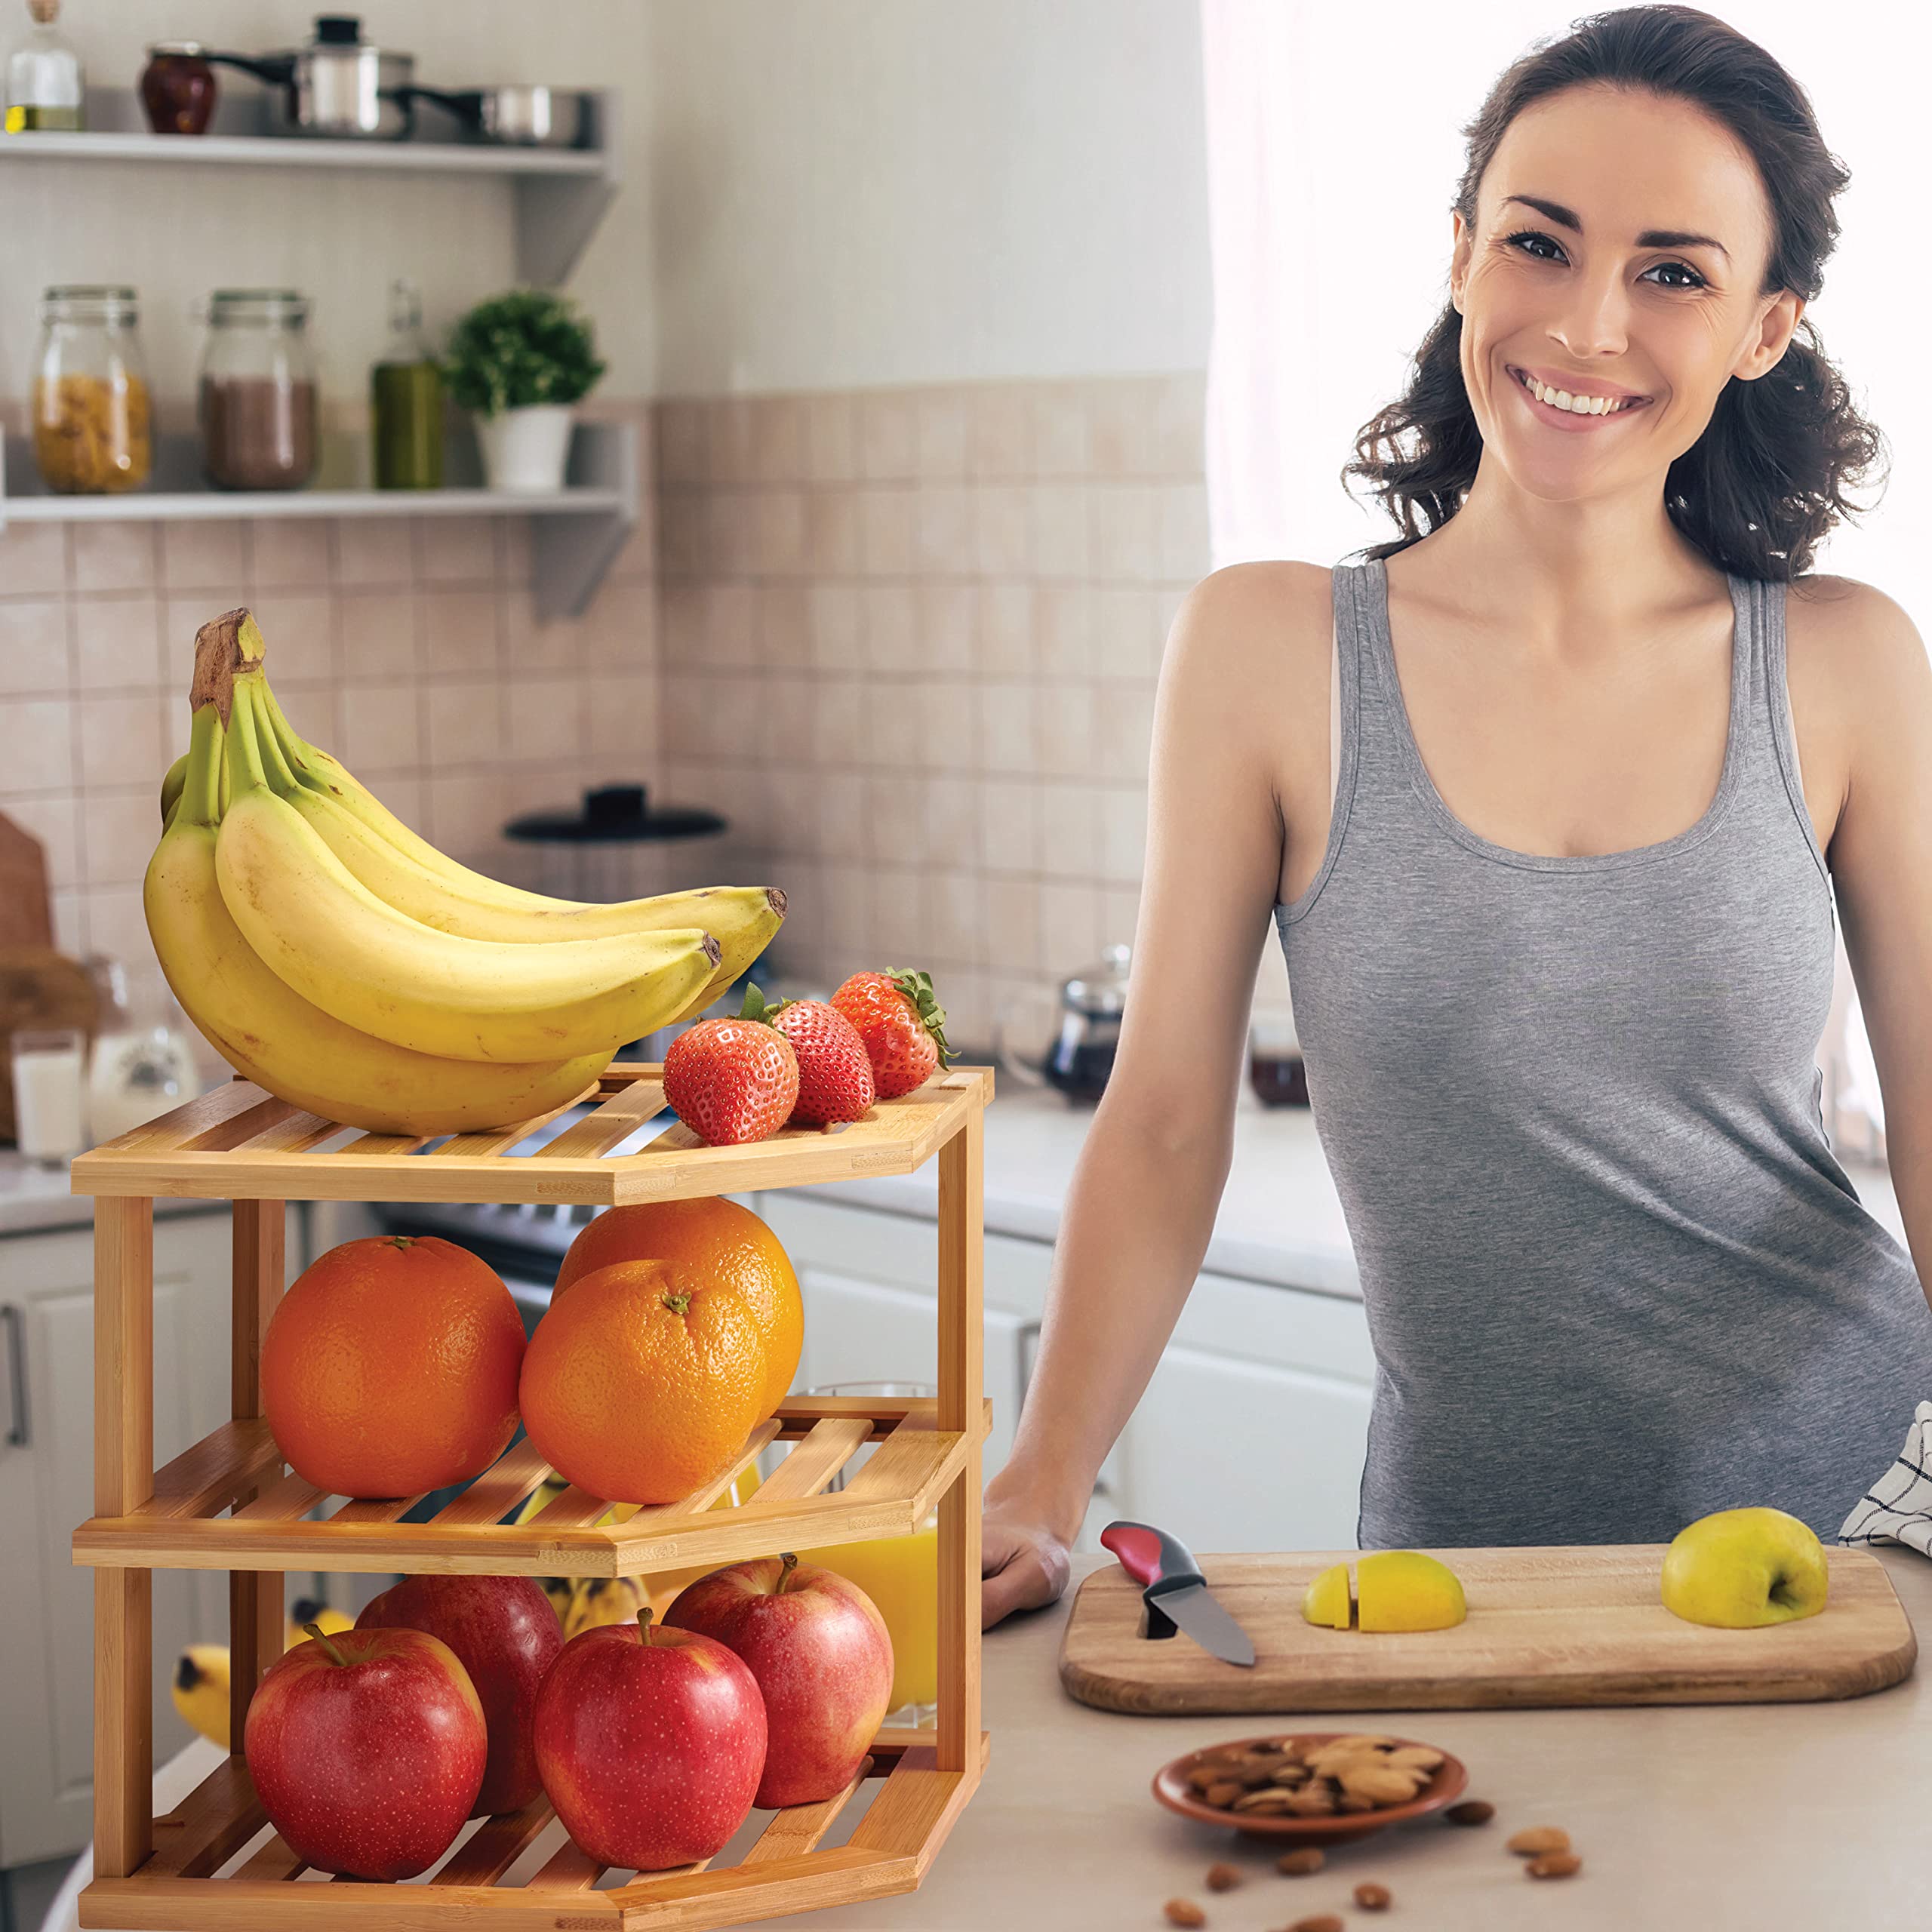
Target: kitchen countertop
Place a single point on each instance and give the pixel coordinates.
(1279, 1221)
(1727, 1817)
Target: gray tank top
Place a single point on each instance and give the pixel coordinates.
(1614, 1277)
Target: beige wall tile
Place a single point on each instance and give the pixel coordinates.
(1002, 530)
(784, 625)
(945, 616)
(844, 827)
(1062, 430)
(729, 437)
(886, 531)
(832, 536)
(1069, 830)
(1126, 633)
(839, 722)
(637, 559)
(943, 433)
(731, 625)
(459, 633)
(956, 910)
(115, 556)
(1006, 630)
(778, 439)
(1124, 729)
(1009, 809)
(290, 553)
(895, 733)
(1120, 913)
(682, 531)
(34, 655)
(902, 922)
(456, 550)
(620, 628)
(381, 728)
(299, 629)
(889, 616)
(1065, 730)
(1181, 523)
(1122, 533)
(547, 719)
(376, 635)
(778, 541)
(778, 722)
(847, 900)
(210, 555)
(1000, 433)
(791, 791)
(465, 722)
(679, 441)
(831, 438)
(120, 829)
(622, 719)
(118, 736)
(1123, 832)
(1060, 542)
(1007, 742)
(1069, 925)
(117, 926)
(467, 811)
(888, 435)
(949, 714)
(949, 819)
(1012, 926)
(1062, 620)
(945, 542)
(55, 821)
(33, 559)
(836, 614)
(371, 550)
(117, 643)
(1123, 415)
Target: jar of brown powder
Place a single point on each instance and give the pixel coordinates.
(257, 403)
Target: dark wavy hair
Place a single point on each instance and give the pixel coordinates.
(1767, 479)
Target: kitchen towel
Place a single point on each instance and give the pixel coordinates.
(1898, 1507)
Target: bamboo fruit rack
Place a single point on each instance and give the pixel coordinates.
(229, 1503)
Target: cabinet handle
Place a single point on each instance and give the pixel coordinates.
(16, 1360)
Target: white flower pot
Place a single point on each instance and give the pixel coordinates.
(525, 450)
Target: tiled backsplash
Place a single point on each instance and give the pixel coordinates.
(905, 640)
(910, 644)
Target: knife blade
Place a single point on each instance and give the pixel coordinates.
(1174, 1590)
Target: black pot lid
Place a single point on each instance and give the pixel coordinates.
(616, 815)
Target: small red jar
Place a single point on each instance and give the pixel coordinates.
(177, 88)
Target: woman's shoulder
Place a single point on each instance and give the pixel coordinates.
(1267, 617)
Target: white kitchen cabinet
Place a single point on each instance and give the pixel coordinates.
(1250, 1435)
(46, 1490)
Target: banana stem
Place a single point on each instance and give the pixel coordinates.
(251, 691)
(201, 791)
(244, 752)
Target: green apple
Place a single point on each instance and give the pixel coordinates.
(1739, 1568)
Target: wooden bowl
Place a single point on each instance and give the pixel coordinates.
(1171, 1788)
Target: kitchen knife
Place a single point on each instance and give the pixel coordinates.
(1175, 1591)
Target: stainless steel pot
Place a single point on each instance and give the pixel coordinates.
(515, 116)
(338, 85)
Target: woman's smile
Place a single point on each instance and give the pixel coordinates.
(1566, 419)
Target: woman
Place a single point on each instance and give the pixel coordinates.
(1551, 841)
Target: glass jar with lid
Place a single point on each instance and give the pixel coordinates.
(257, 401)
(91, 431)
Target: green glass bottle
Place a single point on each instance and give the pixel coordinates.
(406, 400)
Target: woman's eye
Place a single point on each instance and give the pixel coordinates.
(1529, 234)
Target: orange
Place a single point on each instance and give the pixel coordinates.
(643, 1382)
(715, 1240)
(390, 1367)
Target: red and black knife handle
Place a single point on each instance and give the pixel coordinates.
(1157, 1561)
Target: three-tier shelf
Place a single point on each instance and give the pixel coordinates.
(229, 1503)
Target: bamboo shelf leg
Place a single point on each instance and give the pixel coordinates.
(123, 1481)
(255, 1608)
(961, 1379)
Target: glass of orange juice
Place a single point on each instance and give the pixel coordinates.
(901, 1575)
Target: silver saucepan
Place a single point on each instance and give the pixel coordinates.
(517, 114)
(338, 85)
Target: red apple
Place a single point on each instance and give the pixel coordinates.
(367, 1749)
(823, 1658)
(505, 1634)
(649, 1743)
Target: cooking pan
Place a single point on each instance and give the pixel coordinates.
(518, 115)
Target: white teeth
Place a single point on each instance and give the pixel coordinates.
(1577, 405)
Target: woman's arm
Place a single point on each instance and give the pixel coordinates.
(1880, 857)
(1141, 1204)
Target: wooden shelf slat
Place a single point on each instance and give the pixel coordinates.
(798, 1828)
(507, 1484)
(567, 1870)
(806, 1469)
(495, 1845)
(290, 1496)
(274, 1860)
(238, 1143)
(209, 1476)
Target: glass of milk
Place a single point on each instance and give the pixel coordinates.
(49, 1111)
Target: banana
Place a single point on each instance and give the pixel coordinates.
(324, 1617)
(412, 876)
(200, 1691)
(274, 1038)
(597, 1601)
(377, 970)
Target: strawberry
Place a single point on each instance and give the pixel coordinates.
(901, 1024)
(834, 1070)
(731, 1080)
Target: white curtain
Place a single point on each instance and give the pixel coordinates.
(1333, 149)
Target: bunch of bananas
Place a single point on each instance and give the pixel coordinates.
(343, 963)
(201, 1672)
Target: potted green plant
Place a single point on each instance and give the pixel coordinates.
(518, 362)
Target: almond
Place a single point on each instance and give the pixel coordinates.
(1322, 1921)
(1471, 1811)
(1536, 1839)
(1222, 1878)
(1554, 1865)
(1270, 1800)
(1303, 1860)
(1381, 1784)
(1224, 1794)
(1315, 1800)
(1184, 1912)
(1372, 1897)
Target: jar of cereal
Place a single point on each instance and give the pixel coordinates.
(91, 434)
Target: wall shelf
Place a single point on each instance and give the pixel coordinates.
(575, 536)
(560, 194)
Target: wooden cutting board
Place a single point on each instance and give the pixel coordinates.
(1575, 1625)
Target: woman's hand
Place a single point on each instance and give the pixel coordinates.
(1022, 1560)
